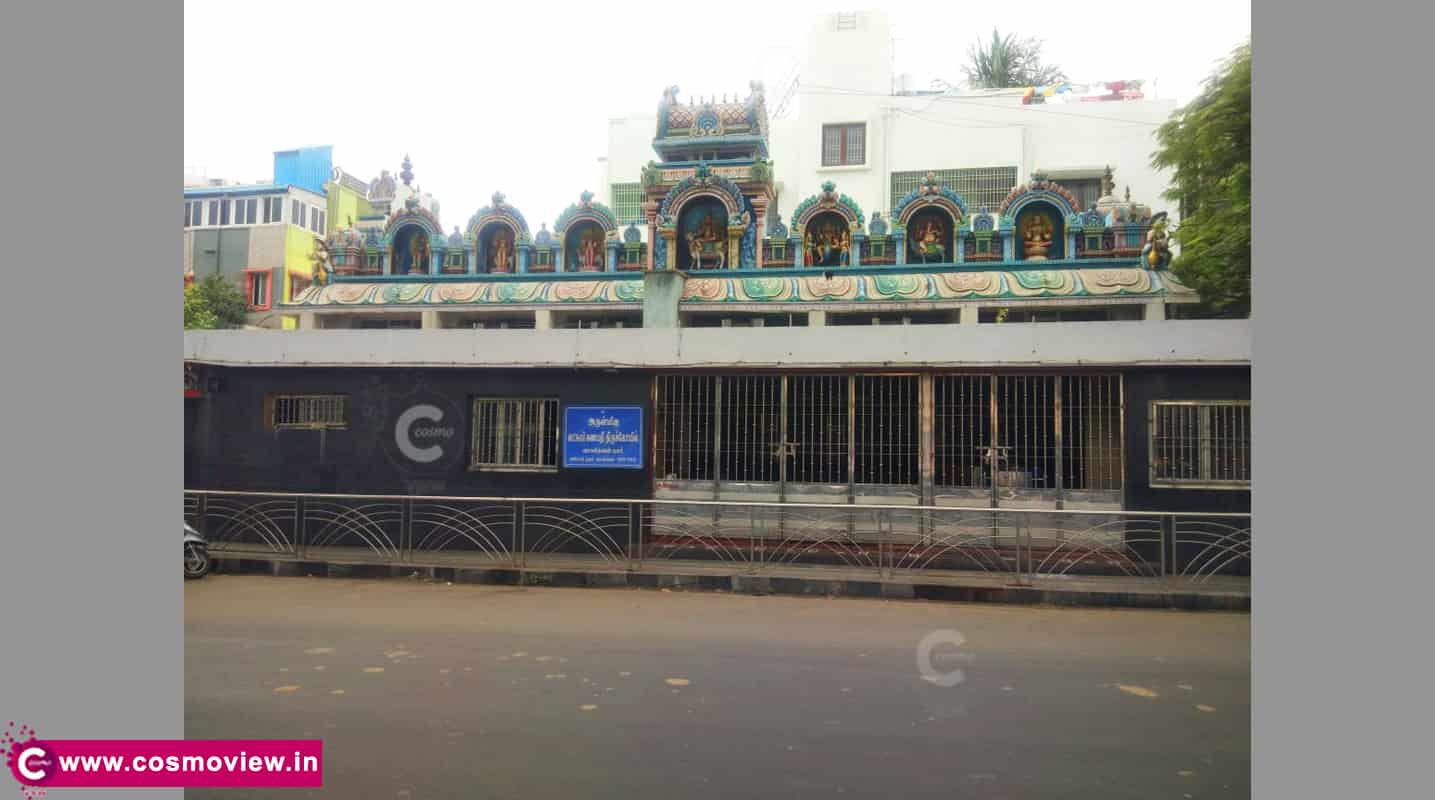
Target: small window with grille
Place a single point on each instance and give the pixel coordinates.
(308, 411)
(844, 145)
(627, 202)
(979, 187)
(515, 434)
(1205, 444)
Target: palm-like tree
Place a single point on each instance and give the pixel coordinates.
(1009, 63)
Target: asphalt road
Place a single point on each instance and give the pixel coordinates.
(536, 693)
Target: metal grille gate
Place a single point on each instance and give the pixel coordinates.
(1004, 440)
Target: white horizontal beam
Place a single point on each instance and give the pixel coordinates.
(1172, 342)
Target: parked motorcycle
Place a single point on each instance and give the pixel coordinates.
(196, 554)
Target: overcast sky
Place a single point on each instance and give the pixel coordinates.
(516, 96)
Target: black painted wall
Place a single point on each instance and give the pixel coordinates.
(228, 446)
(1187, 383)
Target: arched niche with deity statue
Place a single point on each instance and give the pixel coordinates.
(827, 240)
(705, 222)
(702, 235)
(500, 237)
(1039, 211)
(827, 223)
(588, 231)
(410, 237)
(930, 216)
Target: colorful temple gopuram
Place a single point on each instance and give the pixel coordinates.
(713, 245)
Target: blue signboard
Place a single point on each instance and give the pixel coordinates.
(603, 437)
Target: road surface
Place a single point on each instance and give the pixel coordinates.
(428, 690)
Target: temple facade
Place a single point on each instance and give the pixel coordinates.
(1027, 350)
(713, 251)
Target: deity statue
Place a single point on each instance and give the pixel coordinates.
(829, 247)
(1036, 237)
(419, 253)
(705, 241)
(1157, 252)
(928, 242)
(322, 267)
(590, 255)
(502, 260)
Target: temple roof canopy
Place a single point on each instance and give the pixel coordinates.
(727, 127)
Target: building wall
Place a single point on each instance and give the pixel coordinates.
(298, 245)
(1141, 386)
(228, 446)
(911, 133)
(345, 205)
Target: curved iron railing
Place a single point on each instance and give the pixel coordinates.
(1017, 546)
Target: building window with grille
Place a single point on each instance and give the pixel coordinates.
(273, 208)
(979, 186)
(308, 411)
(844, 145)
(515, 434)
(296, 213)
(1086, 191)
(1201, 444)
(627, 202)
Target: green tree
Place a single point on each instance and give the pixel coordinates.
(1009, 63)
(1207, 144)
(196, 314)
(214, 302)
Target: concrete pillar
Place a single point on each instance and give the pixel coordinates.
(1154, 311)
(817, 319)
(472, 251)
(661, 293)
(799, 254)
(543, 319)
(970, 315)
(670, 246)
(899, 241)
(611, 265)
(523, 255)
(309, 321)
(855, 259)
(429, 320)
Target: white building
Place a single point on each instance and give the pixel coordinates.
(850, 123)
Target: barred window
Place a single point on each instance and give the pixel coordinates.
(844, 145)
(980, 186)
(517, 434)
(308, 411)
(627, 202)
(1204, 444)
(1086, 191)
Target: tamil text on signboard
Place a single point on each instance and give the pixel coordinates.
(603, 437)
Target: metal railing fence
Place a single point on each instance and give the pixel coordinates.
(885, 542)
